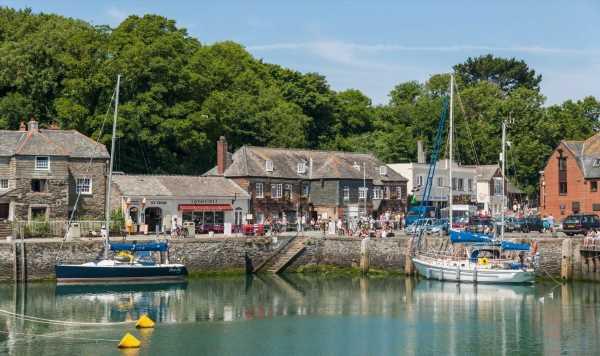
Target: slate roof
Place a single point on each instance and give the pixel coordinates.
(250, 161)
(69, 143)
(586, 152)
(177, 186)
(486, 172)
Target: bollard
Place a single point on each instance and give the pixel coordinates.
(364, 255)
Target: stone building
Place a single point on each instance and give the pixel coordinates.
(295, 182)
(42, 171)
(151, 201)
(569, 181)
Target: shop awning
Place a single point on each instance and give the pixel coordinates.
(205, 207)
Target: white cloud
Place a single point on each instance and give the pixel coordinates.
(375, 48)
(116, 15)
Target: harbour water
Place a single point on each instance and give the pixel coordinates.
(304, 315)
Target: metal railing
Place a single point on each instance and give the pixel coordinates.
(58, 228)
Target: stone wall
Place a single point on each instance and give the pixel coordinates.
(238, 254)
(90, 205)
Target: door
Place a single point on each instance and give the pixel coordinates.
(4, 211)
(153, 218)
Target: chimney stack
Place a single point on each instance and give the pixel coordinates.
(22, 127)
(221, 155)
(420, 152)
(32, 125)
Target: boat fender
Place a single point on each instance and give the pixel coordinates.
(483, 261)
(534, 248)
(129, 342)
(144, 322)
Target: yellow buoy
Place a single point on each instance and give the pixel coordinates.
(144, 322)
(129, 342)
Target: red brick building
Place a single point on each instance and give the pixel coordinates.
(569, 182)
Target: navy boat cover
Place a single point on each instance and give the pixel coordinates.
(147, 246)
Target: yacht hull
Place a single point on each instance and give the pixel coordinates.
(470, 273)
(118, 273)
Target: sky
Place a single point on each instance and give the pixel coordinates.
(374, 45)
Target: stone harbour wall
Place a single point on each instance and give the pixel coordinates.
(218, 254)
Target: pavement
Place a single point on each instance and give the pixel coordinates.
(150, 237)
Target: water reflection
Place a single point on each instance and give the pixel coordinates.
(347, 314)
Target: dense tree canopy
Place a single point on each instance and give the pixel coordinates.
(179, 95)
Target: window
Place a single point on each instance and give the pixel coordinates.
(38, 213)
(301, 167)
(39, 185)
(276, 191)
(420, 181)
(575, 206)
(399, 192)
(470, 184)
(498, 186)
(596, 207)
(562, 188)
(562, 163)
(356, 166)
(362, 192)
(305, 190)
(593, 186)
(258, 190)
(461, 186)
(346, 193)
(288, 192)
(386, 193)
(440, 181)
(269, 165)
(383, 170)
(377, 193)
(453, 184)
(83, 186)
(42, 163)
(3, 183)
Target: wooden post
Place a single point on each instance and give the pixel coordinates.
(409, 267)
(566, 267)
(364, 255)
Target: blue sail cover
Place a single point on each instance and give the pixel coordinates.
(148, 246)
(513, 246)
(468, 237)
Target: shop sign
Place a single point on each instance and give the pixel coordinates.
(158, 202)
(205, 201)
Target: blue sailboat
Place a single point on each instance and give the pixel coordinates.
(132, 261)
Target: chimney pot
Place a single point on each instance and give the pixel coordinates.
(32, 125)
(221, 155)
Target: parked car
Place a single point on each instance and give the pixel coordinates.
(429, 226)
(460, 223)
(531, 223)
(580, 224)
(479, 223)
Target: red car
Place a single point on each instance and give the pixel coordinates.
(253, 229)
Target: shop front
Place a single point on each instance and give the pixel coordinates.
(179, 201)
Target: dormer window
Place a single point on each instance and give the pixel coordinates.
(301, 168)
(42, 163)
(383, 170)
(356, 166)
(597, 162)
(269, 165)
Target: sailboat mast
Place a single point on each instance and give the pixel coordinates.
(112, 158)
(450, 144)
(503, 178)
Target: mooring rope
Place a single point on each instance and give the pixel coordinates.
(58, 336)
(61, 322)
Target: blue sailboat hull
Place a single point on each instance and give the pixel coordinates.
(120, 273)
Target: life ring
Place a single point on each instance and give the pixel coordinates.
(483, 261)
